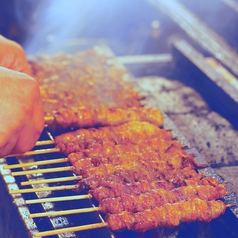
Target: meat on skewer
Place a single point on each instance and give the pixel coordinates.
(112, 189)
(86, 117)
(133, 170)
(68, 143)
(159, 197)
(76, 80)
(177, 177)
(160, 160)
(168, 215)
(108, 148)
(131, 132)
(128, 171)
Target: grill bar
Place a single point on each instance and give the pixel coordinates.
(199, 32)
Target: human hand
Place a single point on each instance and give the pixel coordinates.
(12, 56)
(22, 115)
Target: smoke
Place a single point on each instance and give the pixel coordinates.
(57, 20)
(53, 22)
(125, 25)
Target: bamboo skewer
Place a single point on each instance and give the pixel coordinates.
(37, 171)
(59, 199)
(36, 152)
(48, 119)
(43, 162)
(71, 229)
(53, 180)
(66, 212)
(31, 190)
(45, 142)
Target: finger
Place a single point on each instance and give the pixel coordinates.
(12, 56)
(20, 64)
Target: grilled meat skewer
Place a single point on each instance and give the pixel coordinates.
(112, 189)
(129, 132)
(108, 148)
(85, 117)
(160, 160)
(179, 176)
(169, 215)
(160, 197)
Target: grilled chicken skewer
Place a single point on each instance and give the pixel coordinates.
(85, 117)
(167, 215)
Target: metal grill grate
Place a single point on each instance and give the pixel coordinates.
(48, 191)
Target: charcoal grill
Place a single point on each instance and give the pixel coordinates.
(189, 57)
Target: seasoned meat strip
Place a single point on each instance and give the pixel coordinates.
(167, 215)
(130, 132)
(86, 117)
(159, 197)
